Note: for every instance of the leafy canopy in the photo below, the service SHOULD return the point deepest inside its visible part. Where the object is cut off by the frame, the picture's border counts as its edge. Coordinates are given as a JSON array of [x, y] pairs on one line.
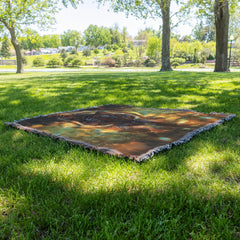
[[21, 13]]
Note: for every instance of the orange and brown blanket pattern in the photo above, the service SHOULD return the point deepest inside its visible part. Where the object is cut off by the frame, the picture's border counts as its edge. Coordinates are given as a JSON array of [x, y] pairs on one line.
[[123, 130]]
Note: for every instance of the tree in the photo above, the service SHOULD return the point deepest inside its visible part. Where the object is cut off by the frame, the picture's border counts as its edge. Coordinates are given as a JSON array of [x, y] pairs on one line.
[[234, 25], [144, 9], [97, 36], [72, 38], [221, 10], [124, 35], [115, 35], [144, 35], [165, 9], [5, 50], [15, 15], [31, 41], [51, 41], [205, 32], [154, 48]]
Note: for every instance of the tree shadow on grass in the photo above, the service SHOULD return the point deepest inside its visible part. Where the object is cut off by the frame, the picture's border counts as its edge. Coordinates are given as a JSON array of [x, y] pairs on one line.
[[43, 205], [110, 198], [37, 95]]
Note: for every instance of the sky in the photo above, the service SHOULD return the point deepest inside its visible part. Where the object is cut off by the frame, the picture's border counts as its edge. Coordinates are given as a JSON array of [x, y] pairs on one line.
[[88, 13]]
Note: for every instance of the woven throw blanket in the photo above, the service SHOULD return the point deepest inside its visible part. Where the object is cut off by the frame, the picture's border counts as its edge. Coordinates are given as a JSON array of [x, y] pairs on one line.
[[123, 130]]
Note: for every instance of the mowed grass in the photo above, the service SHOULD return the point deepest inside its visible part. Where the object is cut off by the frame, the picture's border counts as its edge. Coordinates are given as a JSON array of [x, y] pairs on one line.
[[52, 190]]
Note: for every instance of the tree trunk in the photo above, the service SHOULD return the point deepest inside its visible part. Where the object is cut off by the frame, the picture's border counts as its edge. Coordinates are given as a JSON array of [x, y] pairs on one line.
[[165, 8], [17, 48], [221, 12]]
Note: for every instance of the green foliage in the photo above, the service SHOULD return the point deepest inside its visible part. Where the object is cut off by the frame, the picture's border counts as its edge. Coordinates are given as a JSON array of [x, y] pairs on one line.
[[97, 62], [68, 60], [115, 35], [234, 25], [73, 61], [175, 64], [205, 33], [118, 52], [195, 57], [138, 62], [97, 36], [38, 62], [51, 41], [115, 47], [145, 35], [74, 51], [109, 62], [17, 14], [71, 38], [154, 48], [31, 40], [119, 60], [109, 47], [24, 60], [96, 50], [192, 50], [54, 62], [63, 54], [150, 62], [5, 49], [178, 60], [105, 51], [126, 59], [77, 62], [86, 52], [125, 50]]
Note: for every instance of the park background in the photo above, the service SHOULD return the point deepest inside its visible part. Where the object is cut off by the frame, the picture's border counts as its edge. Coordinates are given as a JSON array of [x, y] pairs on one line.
[[53, 190], [93, 36]]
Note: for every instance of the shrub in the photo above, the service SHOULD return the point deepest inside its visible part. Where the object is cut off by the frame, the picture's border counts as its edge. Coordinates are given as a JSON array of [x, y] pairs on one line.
[[74, 51], [24, 60], [125, 50], [109, 48], [130, 63], [86, 52], [118, 52], [97, 62], [105, 52], [54, 62], [175, 64], [138, 62], [76, 62], [96, 50], [126, 59], [68, 60], [115, 46], [38, 62], [119, 60], [63, 54], [73, 61], [203, 59], [150, 62], [109, 61], [178, 60]]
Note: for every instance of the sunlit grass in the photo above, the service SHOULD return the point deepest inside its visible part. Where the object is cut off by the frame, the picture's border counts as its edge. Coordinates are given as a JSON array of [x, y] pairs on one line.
[[52, 190]]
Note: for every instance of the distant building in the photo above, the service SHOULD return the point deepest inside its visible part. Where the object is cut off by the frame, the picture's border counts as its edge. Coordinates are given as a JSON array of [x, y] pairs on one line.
[[48, 50], [82, 48], [137, 43], [67, 48]]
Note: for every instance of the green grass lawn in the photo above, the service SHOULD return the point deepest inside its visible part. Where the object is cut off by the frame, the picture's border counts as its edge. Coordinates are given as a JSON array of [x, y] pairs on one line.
[[52, 190]]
